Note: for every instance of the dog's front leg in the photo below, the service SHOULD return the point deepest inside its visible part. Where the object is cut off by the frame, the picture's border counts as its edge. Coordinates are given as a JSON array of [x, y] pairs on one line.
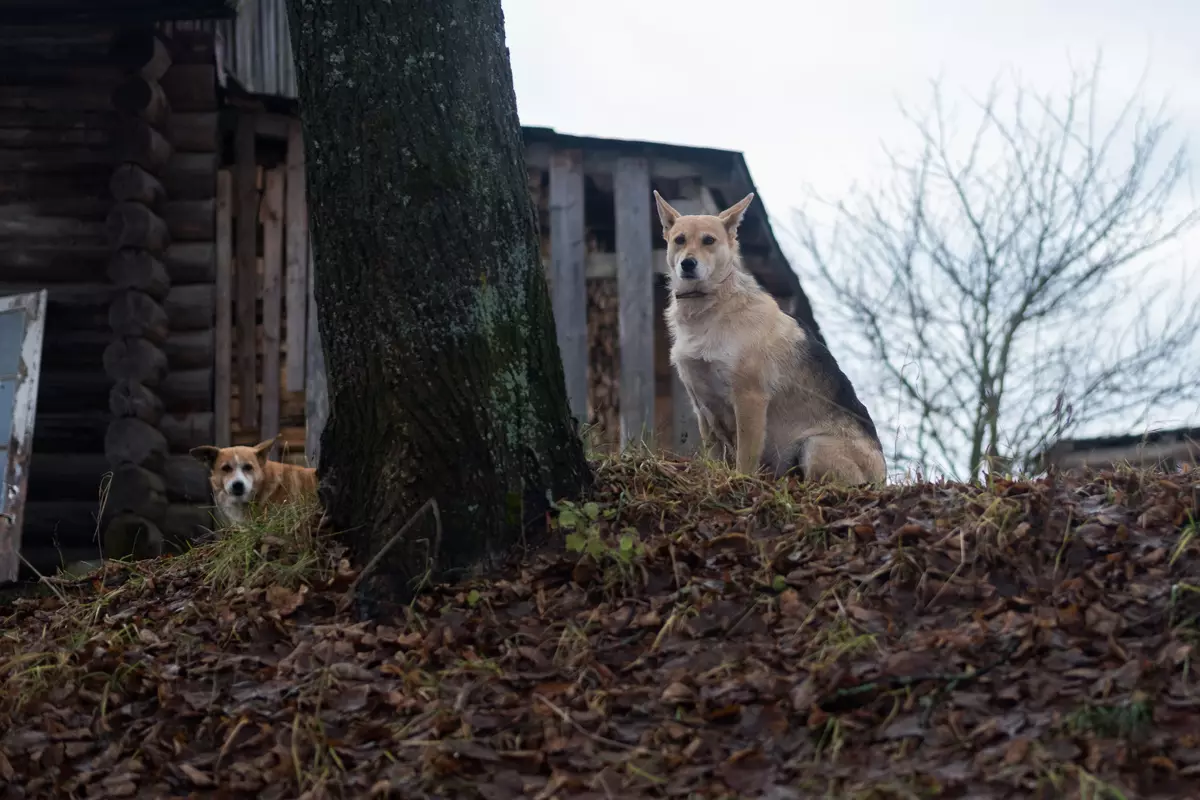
[[750, 412]]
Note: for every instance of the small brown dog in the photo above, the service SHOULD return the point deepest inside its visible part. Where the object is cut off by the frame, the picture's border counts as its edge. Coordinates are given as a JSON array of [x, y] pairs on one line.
[[241, 476]]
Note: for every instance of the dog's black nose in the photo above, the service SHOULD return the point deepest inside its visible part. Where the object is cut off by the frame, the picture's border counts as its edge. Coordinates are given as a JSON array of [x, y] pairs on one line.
[[688, 266], [237, 488]]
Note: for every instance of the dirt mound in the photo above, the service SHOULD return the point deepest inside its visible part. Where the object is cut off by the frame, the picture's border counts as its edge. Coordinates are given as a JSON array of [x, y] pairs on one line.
[[686, 634]]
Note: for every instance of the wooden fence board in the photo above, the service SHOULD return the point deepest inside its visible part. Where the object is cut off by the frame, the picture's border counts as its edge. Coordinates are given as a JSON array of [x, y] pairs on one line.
[[568, 290], [635, 304]]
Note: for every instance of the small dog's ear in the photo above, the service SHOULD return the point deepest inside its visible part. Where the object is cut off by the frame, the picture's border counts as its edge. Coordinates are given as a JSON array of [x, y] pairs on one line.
[[262, 448], [732, 216], [666, 215], [205, 454]]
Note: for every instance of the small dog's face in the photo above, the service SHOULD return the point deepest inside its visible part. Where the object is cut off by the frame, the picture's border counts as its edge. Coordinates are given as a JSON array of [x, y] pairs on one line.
[[236, 471], [700, 247]]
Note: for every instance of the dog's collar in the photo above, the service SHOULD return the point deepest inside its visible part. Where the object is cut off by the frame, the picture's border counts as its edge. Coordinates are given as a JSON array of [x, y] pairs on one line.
[[688, 295]]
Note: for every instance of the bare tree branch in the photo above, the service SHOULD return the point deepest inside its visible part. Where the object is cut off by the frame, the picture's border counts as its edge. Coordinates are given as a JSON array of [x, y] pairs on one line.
[[993, 287]]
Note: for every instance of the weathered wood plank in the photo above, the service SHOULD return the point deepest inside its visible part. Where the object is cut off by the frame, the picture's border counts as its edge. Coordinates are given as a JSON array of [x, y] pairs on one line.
[[20, 367], [247, 279], [568, 253], [296, 220], [272, 302], [223, 355], [635, 289]]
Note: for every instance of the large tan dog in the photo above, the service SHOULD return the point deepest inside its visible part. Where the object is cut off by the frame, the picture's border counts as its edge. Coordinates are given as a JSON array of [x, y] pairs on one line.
[[764, 389], [241, 476]]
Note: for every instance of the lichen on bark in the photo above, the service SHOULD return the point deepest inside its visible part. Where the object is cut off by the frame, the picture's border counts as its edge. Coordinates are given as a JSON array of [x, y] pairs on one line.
[[444, 374]]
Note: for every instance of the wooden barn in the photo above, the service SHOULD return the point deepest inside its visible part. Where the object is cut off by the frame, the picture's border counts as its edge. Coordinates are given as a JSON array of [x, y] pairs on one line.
[[1166, 449], [152, 182]]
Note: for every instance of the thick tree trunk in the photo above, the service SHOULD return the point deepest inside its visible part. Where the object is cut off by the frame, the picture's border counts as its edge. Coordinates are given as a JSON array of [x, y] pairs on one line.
[[444, 374]]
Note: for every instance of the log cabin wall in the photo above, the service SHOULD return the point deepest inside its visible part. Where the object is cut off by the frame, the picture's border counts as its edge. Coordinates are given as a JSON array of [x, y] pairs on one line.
[[55, 165], [107, 184], [190, 210]]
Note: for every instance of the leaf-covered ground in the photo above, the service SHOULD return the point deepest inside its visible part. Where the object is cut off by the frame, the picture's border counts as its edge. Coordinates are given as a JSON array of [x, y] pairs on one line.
[[685, 634]]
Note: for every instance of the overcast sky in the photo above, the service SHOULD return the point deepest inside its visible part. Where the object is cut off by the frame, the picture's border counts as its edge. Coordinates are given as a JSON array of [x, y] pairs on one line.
[[808, 89]]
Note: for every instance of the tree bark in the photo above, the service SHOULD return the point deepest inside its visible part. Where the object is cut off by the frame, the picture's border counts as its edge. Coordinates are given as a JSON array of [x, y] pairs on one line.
[[445, 379]]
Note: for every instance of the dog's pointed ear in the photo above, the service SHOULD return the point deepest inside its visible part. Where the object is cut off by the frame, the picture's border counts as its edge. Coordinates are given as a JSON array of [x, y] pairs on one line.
[[206, 454], [732, 216], [262, 448], [666, 215]]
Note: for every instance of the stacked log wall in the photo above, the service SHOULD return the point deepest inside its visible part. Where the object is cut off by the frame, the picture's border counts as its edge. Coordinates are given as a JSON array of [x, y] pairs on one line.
[[190, 181], [111, 212], [56, 160], [135, 360]]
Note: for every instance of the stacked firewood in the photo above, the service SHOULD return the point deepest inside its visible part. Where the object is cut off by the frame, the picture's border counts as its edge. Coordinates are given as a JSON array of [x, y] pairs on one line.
[[603, 359]]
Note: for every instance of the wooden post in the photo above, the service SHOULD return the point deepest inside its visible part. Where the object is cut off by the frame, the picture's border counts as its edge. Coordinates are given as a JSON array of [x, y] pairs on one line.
[[223, 349], [568, 287], [272, 302], [296, 222], [635, 290]]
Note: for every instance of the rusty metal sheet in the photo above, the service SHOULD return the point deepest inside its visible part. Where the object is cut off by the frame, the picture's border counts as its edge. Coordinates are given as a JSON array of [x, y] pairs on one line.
[[22, 324]]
